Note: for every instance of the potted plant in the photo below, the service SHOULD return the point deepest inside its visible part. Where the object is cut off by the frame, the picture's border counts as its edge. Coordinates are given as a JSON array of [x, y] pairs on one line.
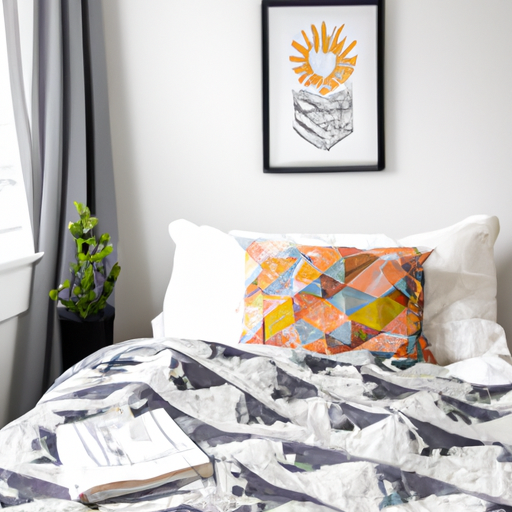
[[86, 321]]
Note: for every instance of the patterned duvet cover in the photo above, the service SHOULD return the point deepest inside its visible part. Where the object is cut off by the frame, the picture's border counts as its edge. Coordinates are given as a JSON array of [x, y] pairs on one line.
[[285, 430]]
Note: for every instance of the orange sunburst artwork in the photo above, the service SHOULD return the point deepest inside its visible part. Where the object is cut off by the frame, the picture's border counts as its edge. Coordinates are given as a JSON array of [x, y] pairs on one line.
[[325, 62]]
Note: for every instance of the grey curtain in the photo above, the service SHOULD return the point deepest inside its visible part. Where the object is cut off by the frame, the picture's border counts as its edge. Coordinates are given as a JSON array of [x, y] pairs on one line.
[[64, 135]]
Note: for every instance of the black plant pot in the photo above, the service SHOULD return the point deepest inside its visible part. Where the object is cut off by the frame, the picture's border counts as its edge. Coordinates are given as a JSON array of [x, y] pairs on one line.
[[80, 338]]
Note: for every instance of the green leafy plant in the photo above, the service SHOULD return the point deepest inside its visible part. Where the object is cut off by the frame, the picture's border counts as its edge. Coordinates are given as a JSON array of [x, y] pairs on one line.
[[87, 292]]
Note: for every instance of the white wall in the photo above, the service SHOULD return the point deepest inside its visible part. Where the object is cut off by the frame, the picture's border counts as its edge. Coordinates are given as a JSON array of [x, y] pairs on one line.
[[185, 92]]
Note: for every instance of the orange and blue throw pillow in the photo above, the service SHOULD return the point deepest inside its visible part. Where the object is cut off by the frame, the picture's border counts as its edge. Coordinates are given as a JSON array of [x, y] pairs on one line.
[[336, 299]]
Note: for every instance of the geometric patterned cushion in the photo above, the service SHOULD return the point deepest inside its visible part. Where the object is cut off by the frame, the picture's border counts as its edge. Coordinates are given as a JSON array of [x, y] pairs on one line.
[[335, 299]]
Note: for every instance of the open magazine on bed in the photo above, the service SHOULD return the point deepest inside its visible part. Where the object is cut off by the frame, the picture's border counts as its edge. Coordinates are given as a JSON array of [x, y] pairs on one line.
[[115, 453]]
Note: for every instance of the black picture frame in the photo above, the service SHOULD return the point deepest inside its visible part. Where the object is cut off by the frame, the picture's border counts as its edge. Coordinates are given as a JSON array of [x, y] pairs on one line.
[[323, 86]]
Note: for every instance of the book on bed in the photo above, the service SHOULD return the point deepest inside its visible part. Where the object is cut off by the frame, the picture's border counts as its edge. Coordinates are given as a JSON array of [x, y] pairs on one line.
[[115, 453]]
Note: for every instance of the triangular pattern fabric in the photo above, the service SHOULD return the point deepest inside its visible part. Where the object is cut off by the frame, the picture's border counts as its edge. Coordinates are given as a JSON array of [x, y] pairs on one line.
[[336, 299]]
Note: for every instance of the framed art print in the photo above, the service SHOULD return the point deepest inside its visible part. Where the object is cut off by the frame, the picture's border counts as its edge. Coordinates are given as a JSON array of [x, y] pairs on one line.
[[323, 85]]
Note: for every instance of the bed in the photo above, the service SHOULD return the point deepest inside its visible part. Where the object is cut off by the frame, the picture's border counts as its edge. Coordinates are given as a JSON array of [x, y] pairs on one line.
[[313, 372]]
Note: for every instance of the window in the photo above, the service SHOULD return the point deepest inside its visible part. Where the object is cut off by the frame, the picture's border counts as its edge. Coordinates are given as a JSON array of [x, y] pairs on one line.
[[15, 230]]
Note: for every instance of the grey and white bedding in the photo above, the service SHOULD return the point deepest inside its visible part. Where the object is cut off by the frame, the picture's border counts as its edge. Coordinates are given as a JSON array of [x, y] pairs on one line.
[[286, 430]]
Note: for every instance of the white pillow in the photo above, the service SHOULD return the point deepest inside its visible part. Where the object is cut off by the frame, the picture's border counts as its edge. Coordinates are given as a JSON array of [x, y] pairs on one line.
[[204, 299], [459, 317]]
